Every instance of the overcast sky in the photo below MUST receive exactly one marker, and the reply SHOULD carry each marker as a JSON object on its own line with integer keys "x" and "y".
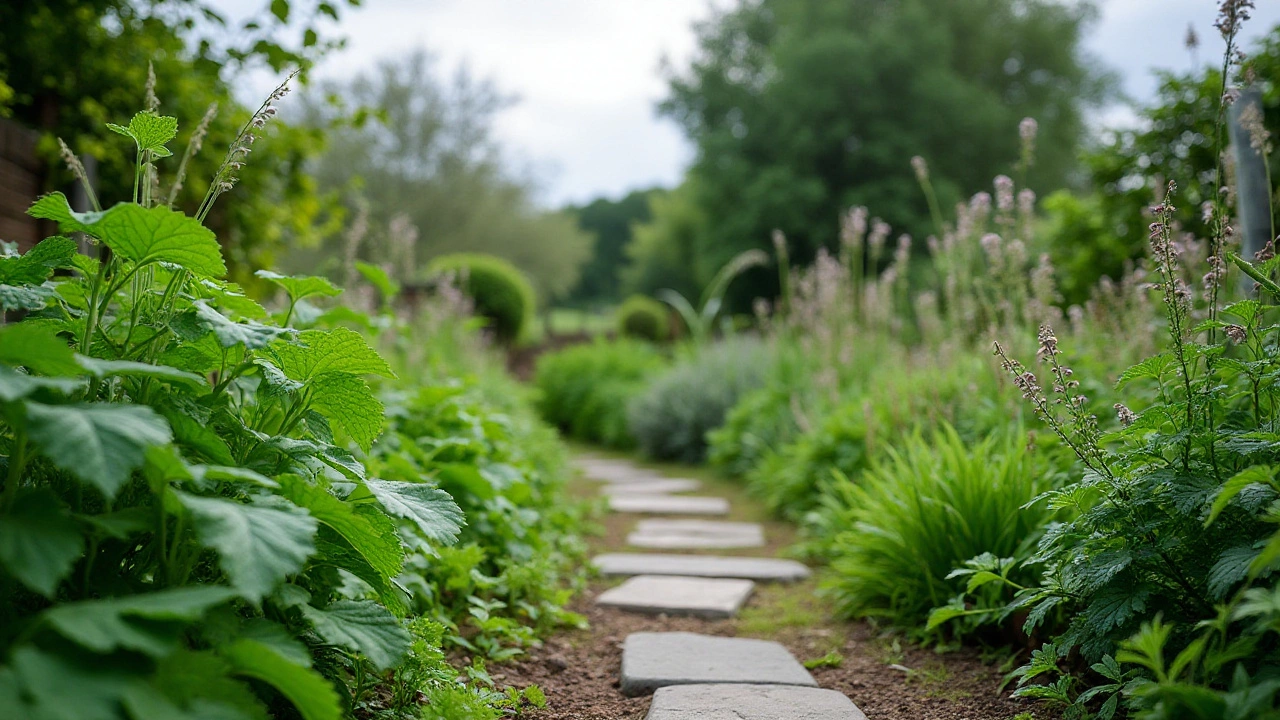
{"x": 586, "y": 71}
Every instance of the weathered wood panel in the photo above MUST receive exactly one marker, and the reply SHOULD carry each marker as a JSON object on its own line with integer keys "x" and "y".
{"x": 21, "y": 175}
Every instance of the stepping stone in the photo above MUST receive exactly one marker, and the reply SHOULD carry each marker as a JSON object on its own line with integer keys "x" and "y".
{"x": 696, "y": 535}
{"x": 668, "y": 504}
{"x": 709, "y": 566}
{"x": 653, "y": 487}
{"x": 750, "y": 702}
{"x": 652, "y": 660}
{"x": 621, "y": 474}
{"x": 700, "y": 597}
{"x": 700, "y": 527}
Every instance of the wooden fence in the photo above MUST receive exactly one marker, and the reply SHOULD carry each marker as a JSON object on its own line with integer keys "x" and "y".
{"x": 21, "y": 180}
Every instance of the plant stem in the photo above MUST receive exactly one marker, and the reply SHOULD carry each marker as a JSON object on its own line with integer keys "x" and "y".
{"x": 91, "y": 322}
{"x": 17, "y": 463}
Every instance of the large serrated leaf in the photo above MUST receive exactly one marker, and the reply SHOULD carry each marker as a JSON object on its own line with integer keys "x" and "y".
{"x": 64, "y": 687}
{"x": 150, "y": 623}
{"x": 15, "y": 385}
{"x": 1151, "y": 368}
{"x": 191, "y": 433}
{"x": 141, "y": 235}
{"x": 376, "y": 542}
{"x": 1232, "y": 567}
{"x": 203, "y": 678}
{"x": 253, "y": 335}
{"x": 24, "y": 297}
{"x": 326, "y": 351}
{"x": 301, "y": 286}
{"x": 349, "y": 404}
{"x": 1258, "y": 474}
{"x": 310, "y": 692}
{"x": 433, "y": 510}
{"x": 363, "y": 626}
{"x": 150, "y": 131}
{"x": 332, "y": 549}
{"x": 38, "y": 264}
{"x": 98, "y": 443}
{"x": 1113, "y": 607}
{"x": 276, "y": 382}
{"x": 39, "y": 542}
{"x": 128, "y": 368}
{"x": 37, "y": 346}
{"x": 258, "y": 547}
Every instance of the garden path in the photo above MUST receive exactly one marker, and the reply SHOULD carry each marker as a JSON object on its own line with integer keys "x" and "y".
{"x": 693, "y": 675}
{"x": 696, "y": 616}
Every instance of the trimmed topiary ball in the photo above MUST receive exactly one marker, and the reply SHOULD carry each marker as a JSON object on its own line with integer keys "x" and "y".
{"x": 499, "y": 290}
{"x": 644, "y": 318}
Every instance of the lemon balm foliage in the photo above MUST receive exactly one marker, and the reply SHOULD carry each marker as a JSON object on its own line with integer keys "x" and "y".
{"x": 188, "y": 527}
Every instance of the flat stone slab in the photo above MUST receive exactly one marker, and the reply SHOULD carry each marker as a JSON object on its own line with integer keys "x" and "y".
{"x": 702, "y": 527}
{"x": 750, "y": 702}
{"x": 678, "y": 541}
{"x": 709, "y": 566}
{"x": 616, "y": 471}
{"x": 652, "y": 487}
{"x": 696, "y": 535}
{"x": 668, "y": 504}
{"x": 700, "y": 597}
{"x": 654, "y": 660}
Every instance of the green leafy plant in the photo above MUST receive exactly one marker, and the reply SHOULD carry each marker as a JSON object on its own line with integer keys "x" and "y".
{"x": 584, "y": 389}
{"x": 512, "y": 571}
{"x": 931, "y": 503}
{"x": 188, "y": 525}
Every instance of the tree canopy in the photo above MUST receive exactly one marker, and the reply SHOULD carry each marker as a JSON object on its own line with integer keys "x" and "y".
{"x": 422, "y": 149}
{"x": 801, "y": 108}
{"x": 68, "y": 67}
{"x": 612, "y": 223}
{"x": 1095, "y": 234}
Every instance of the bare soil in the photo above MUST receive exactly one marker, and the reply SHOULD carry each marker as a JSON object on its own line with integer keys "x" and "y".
{"x": 887, "y": 677}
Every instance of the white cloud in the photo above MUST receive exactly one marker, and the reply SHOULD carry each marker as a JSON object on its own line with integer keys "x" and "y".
{"x": 586, "y": 71}
{"x": 1136, "y": 37}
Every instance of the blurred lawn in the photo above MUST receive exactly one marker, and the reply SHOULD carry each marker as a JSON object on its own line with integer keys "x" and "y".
{"x": 571, "y": 321}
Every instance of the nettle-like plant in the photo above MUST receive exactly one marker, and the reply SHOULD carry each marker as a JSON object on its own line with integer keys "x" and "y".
{"x": 1172, "y": 540}
{"x": 185, "y": 530}
{"x": 1166, "y": 561}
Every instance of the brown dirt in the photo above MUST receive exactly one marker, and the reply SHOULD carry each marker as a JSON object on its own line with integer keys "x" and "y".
{"x": 888, "y": 678}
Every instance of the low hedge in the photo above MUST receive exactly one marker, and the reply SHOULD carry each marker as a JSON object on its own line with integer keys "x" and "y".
{"x": 501, "y": 293}
{"x": 585, "y": 389}
{"x": 644, "y": 318}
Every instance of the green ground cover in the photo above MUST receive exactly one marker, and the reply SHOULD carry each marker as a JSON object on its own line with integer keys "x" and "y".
{"x": 214, "y": 507}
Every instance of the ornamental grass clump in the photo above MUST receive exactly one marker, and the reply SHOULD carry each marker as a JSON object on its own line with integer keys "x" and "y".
{"x": 924, "y": 507}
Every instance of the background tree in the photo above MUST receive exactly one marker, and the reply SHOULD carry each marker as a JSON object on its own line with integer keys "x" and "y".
{"x": 1130, "y": 168}
{"x": 423, "y": 148}
{"x": 800, "y": 108}
{"x": 67, "y": 67}
{"x": 666, "y": 252}
{"x": 611, "y": 222}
